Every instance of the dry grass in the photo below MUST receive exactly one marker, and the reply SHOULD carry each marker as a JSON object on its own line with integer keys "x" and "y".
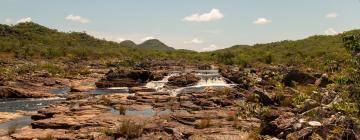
{"x": 254, "y": 134}
{"x": 130, "y": 129}
{"x": 203, "y": 123}
{"x": 231, "y": 116}
{"x": 11, "y": 130}
{"x": 122, "y": 110}
{"x": 104, "y": 100}
{"x": 49, "y": 136}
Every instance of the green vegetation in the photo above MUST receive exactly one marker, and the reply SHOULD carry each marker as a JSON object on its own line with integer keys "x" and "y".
{"x": 38, "y": 48}
{"x": 33, "y": 41}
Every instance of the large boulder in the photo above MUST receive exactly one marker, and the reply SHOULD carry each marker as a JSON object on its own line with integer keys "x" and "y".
{"x": 183, "y": 80}
{"x": 323, "y": 81}
{"x": 8, "y": 92}
{"x": 241, "y": 78}
{"x": 263, "y": 96}
{"x": 299, "y": 77}
{"x": 282, "y": 124}
{"x": 125, "y": 78}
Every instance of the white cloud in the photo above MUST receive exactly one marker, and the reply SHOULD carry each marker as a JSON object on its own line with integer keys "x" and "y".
{"x": 26, "y": 19}
{"x": 77, "y": 19}
{"x": 262, "y": 21}
{"x": 120, "y": 39}
{"x": 194, "y": 41}
{"x": 331, "y": 15}
{"x": 8, "y": 20}
{"x": 216, "y": 32}
{"x": 147, "y": 38}
{"x": 214, "y": 14}
{"x": 210, "y": 48}
{"x": 331, "y": 31}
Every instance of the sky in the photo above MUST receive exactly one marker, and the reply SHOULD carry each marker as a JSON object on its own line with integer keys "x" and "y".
{"x": 201, "y": 25}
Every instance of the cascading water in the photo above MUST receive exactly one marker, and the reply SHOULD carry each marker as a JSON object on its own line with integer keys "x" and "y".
{"x": 159, "y": 85}
{"x": 209, "y": 78}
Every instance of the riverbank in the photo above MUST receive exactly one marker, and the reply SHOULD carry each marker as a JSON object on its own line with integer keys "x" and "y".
{"x": 191, "y": 102}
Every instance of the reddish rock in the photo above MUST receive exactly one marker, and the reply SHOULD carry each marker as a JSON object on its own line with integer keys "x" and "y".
{"x": 183, "y": 80}
{"x": 8, "y": 92}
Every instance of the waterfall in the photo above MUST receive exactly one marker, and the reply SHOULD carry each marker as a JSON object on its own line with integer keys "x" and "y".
{"x": 159, "y": 85}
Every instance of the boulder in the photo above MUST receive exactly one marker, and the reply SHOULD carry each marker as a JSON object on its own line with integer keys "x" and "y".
{"x": 140, "y": 89}
{"x": 7, "y": 116}
{"x": 183, "y": 80}
{"x": 204, "y": 67}
{"x": 239, "y": 77}
{"x": 299, "y": 77}
{"x": 125, "y": 78}
{"x": 9, "y": 92}
{"x": 310, "y": 104}
{"x": 282, "y": 124}
{"x": 263, "y": 96}
{"x": 302, "y": 134}
{"x": 323, "y": 81}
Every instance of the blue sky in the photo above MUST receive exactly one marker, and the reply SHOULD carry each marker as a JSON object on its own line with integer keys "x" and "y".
{"x": 189, "y": 24}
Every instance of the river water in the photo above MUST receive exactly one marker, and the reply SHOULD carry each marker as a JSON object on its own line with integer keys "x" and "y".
{"x": 209, "y": 78}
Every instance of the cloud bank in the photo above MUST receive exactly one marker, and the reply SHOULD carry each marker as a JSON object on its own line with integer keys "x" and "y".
{"x": 262, "y": 21}
{"x": 213, "y": 15}
{"x": 78, "y": 19}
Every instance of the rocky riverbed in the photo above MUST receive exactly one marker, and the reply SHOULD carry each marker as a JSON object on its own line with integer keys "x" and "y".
{"x": 177, "y": 102}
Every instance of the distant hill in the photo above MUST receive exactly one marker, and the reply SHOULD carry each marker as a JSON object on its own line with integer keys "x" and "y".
{"x": 38, "y": 35}
{"x": 32, "y": 34}
{"x": 155, "y": 44}
{"x": 128, "y": 43}
{"x": 31, "y": 40}
{"x": 320, "y": 51}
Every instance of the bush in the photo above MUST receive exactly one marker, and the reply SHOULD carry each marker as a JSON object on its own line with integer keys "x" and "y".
{"x": 203, "y": 123}
{"x": 11, "y": 130}
{"x": 130, "y": 130}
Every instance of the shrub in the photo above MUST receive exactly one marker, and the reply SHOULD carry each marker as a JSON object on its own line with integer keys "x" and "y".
{"x": 298, "y": 101}
{"x": 122, "y": 110}
{"x": 25, "y": 68}
{"x": 346, "y": 107}
{"x": 11, "y": 130}
{"x": 51, "y": 68}
{"x": 49, "y": 136}
{"x": 108, "y": 132}
{"x": 130, "y": 130}
{"x": 203, "y": 123}
{"x": 104, "y": 100}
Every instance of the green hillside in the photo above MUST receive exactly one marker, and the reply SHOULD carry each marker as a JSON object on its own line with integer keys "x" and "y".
{"x": 318, "y": 52}
{"x": 33, "y": 41}
{"x": 155, "y": 44}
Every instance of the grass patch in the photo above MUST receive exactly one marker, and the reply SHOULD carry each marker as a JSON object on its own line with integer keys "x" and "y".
{"x": 130, "y": 129}
{"x": 11, "y": 130}
{"x": 122, "y": 110}
{"x": 203, "y": 123}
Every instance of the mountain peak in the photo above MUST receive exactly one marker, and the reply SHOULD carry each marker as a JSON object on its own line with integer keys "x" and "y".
{"x": 128, "y": 43}
{"x": 155, "y": 44}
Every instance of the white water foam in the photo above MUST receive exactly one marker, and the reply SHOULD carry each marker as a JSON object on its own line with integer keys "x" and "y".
{"x": 159, "y": 85}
